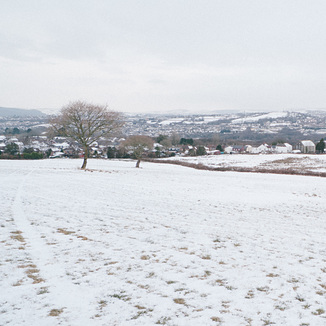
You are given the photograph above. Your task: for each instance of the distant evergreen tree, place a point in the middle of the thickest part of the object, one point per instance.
(219, 148)
(320, 147)
(48, 152)
(160, 138)
(28, 150)
(12, 149)
(111, 152)
(186, 141)
(201, 151)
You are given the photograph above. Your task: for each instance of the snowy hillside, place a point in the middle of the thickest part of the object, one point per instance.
(162, 244)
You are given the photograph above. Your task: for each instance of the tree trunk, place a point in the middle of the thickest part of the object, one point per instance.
(85, 158)
(137, 164)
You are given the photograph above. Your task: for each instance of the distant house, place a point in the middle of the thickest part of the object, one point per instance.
(263, 148)
(238, 149)
(2, 142)
(248, 148)
(235, 149)
(307, 147)
(282, 148)
(228, 149)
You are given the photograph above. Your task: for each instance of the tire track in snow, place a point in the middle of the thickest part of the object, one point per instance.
(62, 293)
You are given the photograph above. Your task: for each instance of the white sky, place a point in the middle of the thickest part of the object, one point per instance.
(164, 55)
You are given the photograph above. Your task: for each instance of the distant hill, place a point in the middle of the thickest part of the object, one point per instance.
(8, 112)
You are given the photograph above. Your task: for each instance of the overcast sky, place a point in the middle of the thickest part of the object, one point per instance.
(164, 55)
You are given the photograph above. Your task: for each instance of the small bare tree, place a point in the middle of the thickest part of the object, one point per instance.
(86, 123)
(138, 145)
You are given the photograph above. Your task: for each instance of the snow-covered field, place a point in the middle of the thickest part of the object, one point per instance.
(162, 244)
(296, 162)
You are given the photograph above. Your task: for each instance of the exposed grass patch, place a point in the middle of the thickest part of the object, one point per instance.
(323, 286)
(163, 321)
(281, 307)
(120, 296)
(272, 275)
(17, 235)
(220, 282)
(65, 231)
(263, 289)
(140, 307)
(267, 322)
(250, 294)
(32, 271)
(179, 301)
(318, 312)
(55, 312)
(43, 290)
(18, 283)
(102, 303)
(82, 237)
(27, 266)
(32, 274)
(35, 278)
(299, 298)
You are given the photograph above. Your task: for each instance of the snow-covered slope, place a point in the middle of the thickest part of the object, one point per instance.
(301, 163)
(159, 245)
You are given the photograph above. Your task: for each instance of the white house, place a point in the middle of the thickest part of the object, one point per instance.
(228, 149)
(263, 148)
(307, 147)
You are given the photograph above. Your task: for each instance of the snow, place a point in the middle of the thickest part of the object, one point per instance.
(299, 162)
(116, 245)
(271, 115)
(171, 121)
(307, 143)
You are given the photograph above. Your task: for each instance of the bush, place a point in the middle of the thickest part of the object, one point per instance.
(201, 151)
(12, 149)
(33, 156)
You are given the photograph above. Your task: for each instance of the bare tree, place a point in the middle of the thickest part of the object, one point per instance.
(86, 123)
(138, 145)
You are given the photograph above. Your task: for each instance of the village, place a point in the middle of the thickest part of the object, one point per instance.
(162, 147)
(175, 135)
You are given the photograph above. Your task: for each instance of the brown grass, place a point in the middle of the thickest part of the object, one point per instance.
(56, 312)
(18, 283)
(66, 232)
(16, 235)
(27, 266)
(199, 166)
(179, 301)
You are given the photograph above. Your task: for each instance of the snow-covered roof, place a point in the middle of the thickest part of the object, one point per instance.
(307, 143)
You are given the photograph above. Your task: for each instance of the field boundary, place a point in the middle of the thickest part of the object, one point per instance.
(200, 166)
